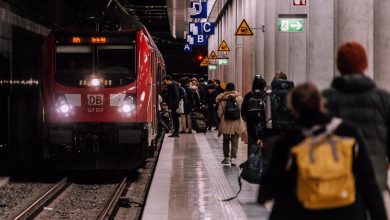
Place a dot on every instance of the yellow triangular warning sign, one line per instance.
(205, 62)
(244, 29)
(213, 55)
(223, 47)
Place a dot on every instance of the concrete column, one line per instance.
(248, 48)
(269, 39)
(259, 14)
(237, 80)
(354, 22)
(320, 50)
(382, 43)
(282, 40)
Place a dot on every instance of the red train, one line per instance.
(100, 96)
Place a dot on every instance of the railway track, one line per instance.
(65, 193)
(41, 201)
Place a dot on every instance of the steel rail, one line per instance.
(110, 205)
(41, 201)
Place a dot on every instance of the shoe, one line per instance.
(182, 132)
(174, 135)
(233, 161)
(225, 161)
(189, 132)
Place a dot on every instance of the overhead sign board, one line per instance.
(299, 2)
(200, 40)
(223, 47)
(187, 48)
(244, 29)
(213, 55)
(198, 9)
(202, 28)
(290, 25)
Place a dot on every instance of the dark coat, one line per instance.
(356, 98)
(278, 183)
(173, 96)
(250, 124)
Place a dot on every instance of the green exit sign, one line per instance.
(212, 67)
(290, 25)
(223, 61)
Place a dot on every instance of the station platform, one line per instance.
(190, 182)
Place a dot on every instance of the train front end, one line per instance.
(95, 102)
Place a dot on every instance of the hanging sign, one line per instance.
(223, 61)
(205, 61)
(290, 25)
(213, 56)
(223, 47)
(198, 9)
(244, 29)
(202, 28)
(187, 48)
(212, 67)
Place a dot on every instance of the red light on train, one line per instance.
(76, 40)
(99, 40)
(200, 57)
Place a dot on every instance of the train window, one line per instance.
(73, 63)
(117, 63)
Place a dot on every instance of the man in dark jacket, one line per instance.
(355, 97)
(172, 100)
(254, 116)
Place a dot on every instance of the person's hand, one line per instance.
(260, 143)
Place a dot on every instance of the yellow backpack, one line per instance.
(324, 166)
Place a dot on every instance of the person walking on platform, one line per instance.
(211, 108)
(231, 125)
(253, 113)
(321, 169)
(356, 98)
(172, 100)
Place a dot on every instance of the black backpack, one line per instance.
(256, 108)
(281, 115)
(251, 170)
(232, 110)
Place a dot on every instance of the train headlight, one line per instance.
(126, 108)
(95, 82)
(62, 105)
(64, 108)
(128, 105)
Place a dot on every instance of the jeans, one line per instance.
(233, 139)
(175, 120)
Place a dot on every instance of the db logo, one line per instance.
(95, 99)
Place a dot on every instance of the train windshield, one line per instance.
(113, 65)
(117, 63)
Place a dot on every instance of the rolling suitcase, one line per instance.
(198, 122)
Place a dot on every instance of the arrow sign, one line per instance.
(290, 25)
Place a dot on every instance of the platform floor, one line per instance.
(190, 182)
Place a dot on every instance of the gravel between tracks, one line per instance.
(16, 196)
(78, 202)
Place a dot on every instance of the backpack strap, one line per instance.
(330, 128)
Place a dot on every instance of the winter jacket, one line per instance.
(173, 96)
(356, 98)
(280, 184)
(229, 127)
(244, 113)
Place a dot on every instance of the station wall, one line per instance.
(307, 55)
